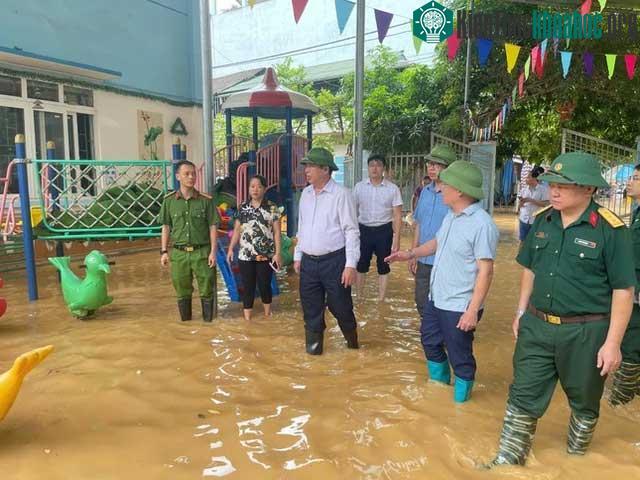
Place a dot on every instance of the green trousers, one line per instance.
(631, 342)
(186, 265)
(546, 353)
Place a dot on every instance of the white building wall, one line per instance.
(116, 126)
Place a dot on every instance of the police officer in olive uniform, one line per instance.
(626, 380)
(189, 218)
(576, 296)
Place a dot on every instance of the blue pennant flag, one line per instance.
(343, 12)
(484, 48)
(566, 62)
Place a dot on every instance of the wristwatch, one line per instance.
(520, 312)
(162, 252)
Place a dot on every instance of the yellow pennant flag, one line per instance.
(611, 64)
(512, 55)
(252, 3)
(603, 3)
(527, 68)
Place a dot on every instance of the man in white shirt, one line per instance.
(327, 251)
(534, 196)
(379, 207)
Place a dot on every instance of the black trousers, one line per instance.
(253, 273)
(320, 287)
(376, 240)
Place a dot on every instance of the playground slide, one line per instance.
(231, 273)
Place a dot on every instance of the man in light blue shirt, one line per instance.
(428, 216)
(465, 248)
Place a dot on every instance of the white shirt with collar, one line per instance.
(375, 203)
(327, 222)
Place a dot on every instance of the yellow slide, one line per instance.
(11, 380)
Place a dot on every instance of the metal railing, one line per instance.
(406, 171)
(618, 162)
(7, 205)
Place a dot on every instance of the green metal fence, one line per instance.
(100, 199)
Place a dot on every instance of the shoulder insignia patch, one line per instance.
(610, 217)
(205, 195)
(542, 210)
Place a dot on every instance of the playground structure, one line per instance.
(82, 200)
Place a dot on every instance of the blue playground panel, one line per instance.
(231, 273)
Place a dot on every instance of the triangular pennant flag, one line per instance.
(543, 50)
(512, 52)
(540, 66)
(298, 8)
(527, 68)
(484, 48)
(343, 12)
(611, 64)
(383, 20)
(514, 94)
(453, 43)
(566, 62)
(535, 58)
(603, 3)
(417, 44)
(588, 63)
(521, 85)
(251, 3)
(556, 42)
(586, 7)
(630, 61)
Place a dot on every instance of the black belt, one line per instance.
(384, 226)
(189, 248)
(325, 256)
(557, 320)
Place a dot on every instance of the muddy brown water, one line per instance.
(134, 394)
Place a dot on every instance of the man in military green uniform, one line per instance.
(576, 297)
(189, 218)
(626, 380)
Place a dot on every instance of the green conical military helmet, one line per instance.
(442, 154)
(464, 176)
(576, 168)
(321, 157)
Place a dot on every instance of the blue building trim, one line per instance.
(69, 63)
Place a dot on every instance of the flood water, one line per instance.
(135, 394)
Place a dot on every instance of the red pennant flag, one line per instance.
(586, 7)
(453, 43)
(383, 20)
(521, 85)
(540, 65)
(630, 60)
(535, 58)
(298, 8)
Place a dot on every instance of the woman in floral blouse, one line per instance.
(257, 228)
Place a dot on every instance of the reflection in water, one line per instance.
(242, 400)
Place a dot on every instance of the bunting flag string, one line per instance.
(512, 51)
(527, 68)
(603, 3)
(586, 7)
(630, 62)
(521, 85)
(588, 63)
(298, 8)
(453, 43)
(566, 62)
(383, 21)
(417, 44)
(343, 12)
(611, 64)
(484, 49)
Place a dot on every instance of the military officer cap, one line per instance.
(319, 156)
(464, 176)
(442, 154)
(577, 168)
